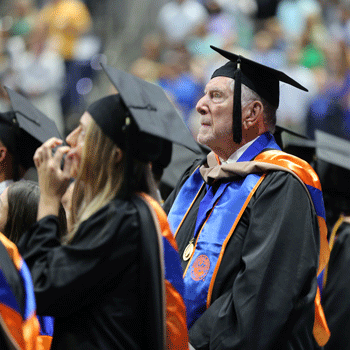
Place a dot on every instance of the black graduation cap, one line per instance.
(302, 148)
(333, 168)
(259, 78)
(333, 149)
(151, 109)
(281, 130)
(31, 120)
(7, 134)
(26, 129)
(296, 144)
(141, 120)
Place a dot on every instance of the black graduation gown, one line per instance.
(336, 294)
(263, 295)
(91, 286)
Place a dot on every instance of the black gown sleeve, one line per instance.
(336, 294)
(68, 277)
(263, 297)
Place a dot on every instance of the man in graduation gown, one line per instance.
(333, 165)
(335, 295)
(249, 222)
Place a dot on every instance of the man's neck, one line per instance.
(237, 154)
(225, 153)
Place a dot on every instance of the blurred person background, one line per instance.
(167, 42)
(39, 74)
(66, 21)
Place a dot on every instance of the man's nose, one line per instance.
(202, 107)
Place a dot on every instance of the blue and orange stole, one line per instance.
(21, 327)
(175, 310)
(46, 330)
(223, 210)
(322, 278)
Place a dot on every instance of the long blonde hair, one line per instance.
(101, 177)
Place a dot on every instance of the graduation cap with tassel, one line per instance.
(259, 78)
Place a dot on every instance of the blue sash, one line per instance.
(217, 216)
(218, 225)
(191, 188)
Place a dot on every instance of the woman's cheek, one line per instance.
(75, 166)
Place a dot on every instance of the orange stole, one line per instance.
(176, 327)
(307, 174)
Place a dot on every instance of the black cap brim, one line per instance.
(30, 128)
(333, 157)
(31, 120)
(151, 109)
(262, 79)
(332, 149)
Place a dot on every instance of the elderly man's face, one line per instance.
(215, 108)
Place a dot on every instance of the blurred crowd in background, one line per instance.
(50, 51)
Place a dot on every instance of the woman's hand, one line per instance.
(53, 181)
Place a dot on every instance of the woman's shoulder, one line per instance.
(115, 209)
(116, 216)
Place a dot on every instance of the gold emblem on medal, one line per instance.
(188, 251)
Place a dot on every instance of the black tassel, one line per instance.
(15, 160)
(237, 106)
(128, 171)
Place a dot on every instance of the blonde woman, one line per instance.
(105, 286)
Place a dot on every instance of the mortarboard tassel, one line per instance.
(15, 161)
(237, 105)
(128, 171)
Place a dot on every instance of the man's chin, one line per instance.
(203, 140)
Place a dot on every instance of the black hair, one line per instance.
(23, 201)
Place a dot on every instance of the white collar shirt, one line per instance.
(236, 155)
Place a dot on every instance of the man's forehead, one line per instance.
(219, 83)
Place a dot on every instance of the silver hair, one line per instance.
(248, 95)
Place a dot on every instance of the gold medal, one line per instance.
(188, 250)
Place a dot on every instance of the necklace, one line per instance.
(188, 250)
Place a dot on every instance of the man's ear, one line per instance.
(252, 114)
(3, 152)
